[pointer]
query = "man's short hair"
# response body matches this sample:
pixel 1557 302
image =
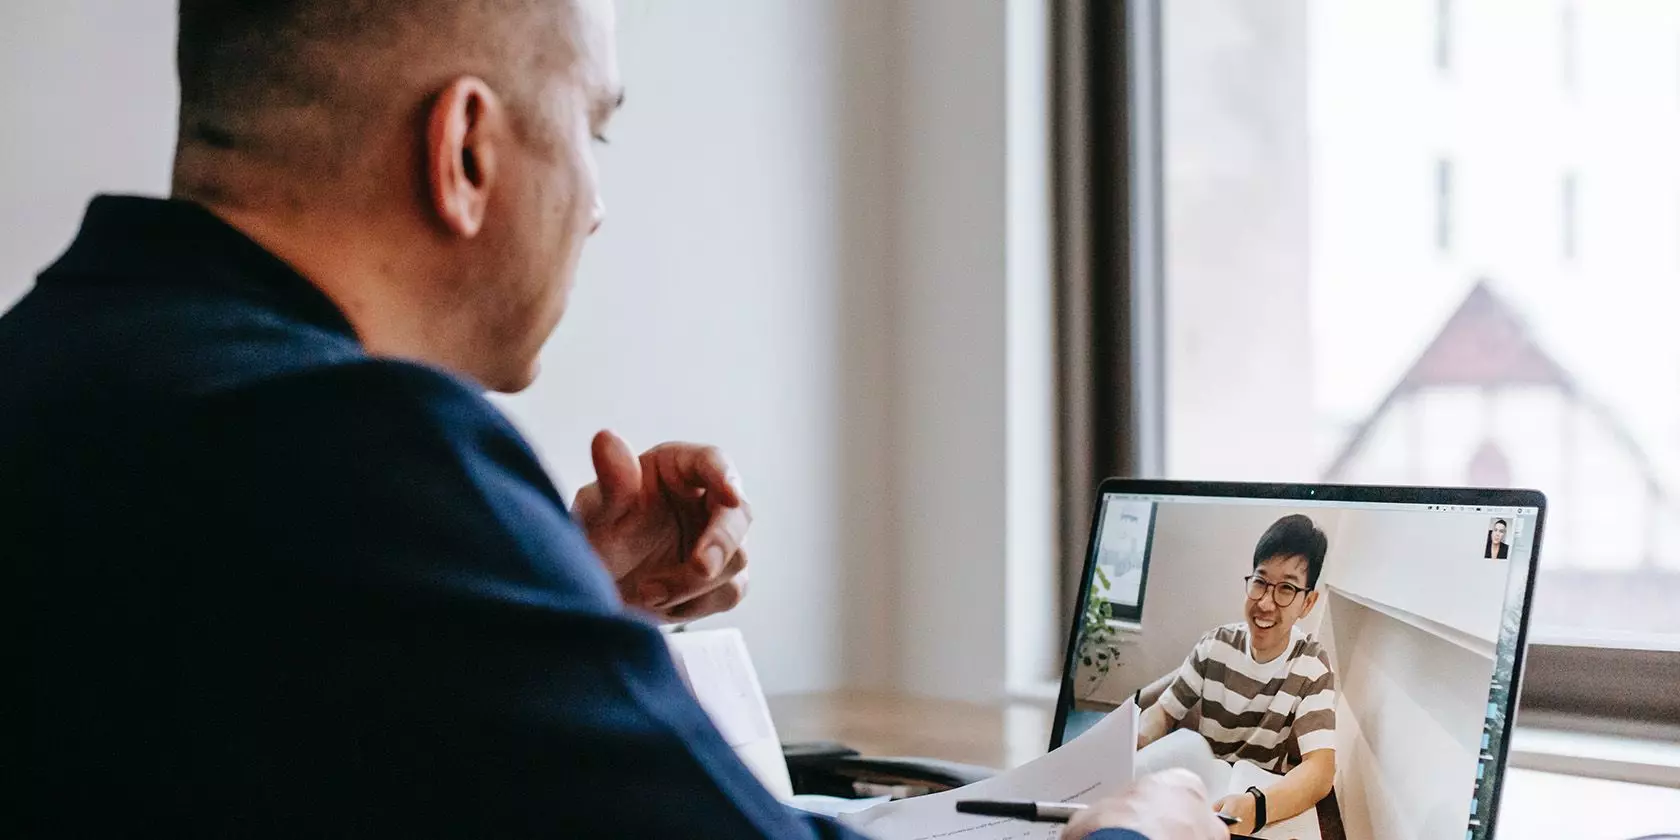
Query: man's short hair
pixel 1294 536
pixel 239 59
pixel 1501 522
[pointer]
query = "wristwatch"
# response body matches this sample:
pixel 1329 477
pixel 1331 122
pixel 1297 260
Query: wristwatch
pixel 1259 808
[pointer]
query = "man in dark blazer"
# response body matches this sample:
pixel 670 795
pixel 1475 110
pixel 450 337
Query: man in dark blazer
pixel 275 567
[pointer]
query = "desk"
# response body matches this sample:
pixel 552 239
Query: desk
pixel 1536 805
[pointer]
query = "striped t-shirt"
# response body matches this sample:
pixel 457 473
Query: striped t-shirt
pixel 1269 713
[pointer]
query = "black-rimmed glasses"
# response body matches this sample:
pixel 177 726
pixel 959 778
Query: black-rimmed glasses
pixel 1283 594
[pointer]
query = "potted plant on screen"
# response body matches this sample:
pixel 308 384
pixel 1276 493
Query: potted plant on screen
pixel 1098 651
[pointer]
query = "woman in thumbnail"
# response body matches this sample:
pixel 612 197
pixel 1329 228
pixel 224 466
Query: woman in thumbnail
pixel 1497 549
pixel 1264 692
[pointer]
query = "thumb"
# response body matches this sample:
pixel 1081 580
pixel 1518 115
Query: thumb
pixel 618 472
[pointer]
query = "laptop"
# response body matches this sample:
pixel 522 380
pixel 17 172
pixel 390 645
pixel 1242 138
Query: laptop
pixel 1371 637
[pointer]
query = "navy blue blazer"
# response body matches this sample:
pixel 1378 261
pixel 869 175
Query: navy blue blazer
pixel 261 583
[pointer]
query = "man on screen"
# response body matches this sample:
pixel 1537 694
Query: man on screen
pixel 1497 548
pixel 1260 690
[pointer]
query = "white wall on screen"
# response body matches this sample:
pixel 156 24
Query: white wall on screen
pixel 1428 563
pixel 1408 724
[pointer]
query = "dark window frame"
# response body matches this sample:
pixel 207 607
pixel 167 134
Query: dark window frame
pixel 1106 91
pixel 1110 290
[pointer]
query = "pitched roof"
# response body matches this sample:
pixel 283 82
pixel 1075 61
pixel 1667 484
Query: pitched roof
pixel 1486 343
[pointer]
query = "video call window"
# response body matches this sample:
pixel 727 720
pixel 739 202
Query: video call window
pixel 1367 648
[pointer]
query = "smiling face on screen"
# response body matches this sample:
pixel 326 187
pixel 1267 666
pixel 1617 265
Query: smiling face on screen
pixel 1282 589
pixel 1270 622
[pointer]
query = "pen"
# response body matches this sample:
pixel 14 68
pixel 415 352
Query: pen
pixel 1052 812
pixel 1058 812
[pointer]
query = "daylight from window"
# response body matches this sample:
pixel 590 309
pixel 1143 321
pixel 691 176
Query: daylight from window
pixel 1427 242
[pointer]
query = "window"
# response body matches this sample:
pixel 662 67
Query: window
pixel 1308 332
pixel 1568 224
pixel 1324 343
pixel 1443 205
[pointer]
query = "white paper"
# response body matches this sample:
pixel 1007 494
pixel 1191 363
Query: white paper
pixel 1099 763
pixel 1096 764
pixel 1302 826
pixel 834 806
pixel 1188 749
pixel 718 670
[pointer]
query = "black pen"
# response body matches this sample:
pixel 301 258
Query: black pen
pixel 1050 812
pixel 1053 812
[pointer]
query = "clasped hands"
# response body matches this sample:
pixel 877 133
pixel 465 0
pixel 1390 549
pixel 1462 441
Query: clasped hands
pixel 668 525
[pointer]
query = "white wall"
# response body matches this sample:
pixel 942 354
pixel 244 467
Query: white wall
pixel 974 454
pixel 90 104
pixel 860 247
pixel 737 294
pixel 951 301
pixel 822 253
pixel 1198 558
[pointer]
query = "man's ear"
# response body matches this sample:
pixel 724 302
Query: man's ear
pixel 461 153
pixel 1312 601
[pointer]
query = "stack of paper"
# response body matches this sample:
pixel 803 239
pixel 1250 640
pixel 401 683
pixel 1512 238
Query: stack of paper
pixel 1090 767
pixel 1099 763
pixel 1189 750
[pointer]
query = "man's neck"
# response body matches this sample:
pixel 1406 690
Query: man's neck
pixel 1265 656
pixel 354 273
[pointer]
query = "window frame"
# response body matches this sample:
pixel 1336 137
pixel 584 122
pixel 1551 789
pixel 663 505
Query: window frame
pixel 1107 214
pixel 1110 294
pixel 1569 222
pixel 1446 178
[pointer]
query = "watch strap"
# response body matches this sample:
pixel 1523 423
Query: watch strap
pixel 1259 808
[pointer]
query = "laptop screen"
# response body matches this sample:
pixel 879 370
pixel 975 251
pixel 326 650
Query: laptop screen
pixel 1352 650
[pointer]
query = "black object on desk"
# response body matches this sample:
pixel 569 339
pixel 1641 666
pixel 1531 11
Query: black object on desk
pixel 833 769
pixel 1045 812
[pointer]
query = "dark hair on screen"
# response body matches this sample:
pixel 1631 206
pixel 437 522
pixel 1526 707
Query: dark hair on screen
pixel 1501 522
pixel 1294 536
